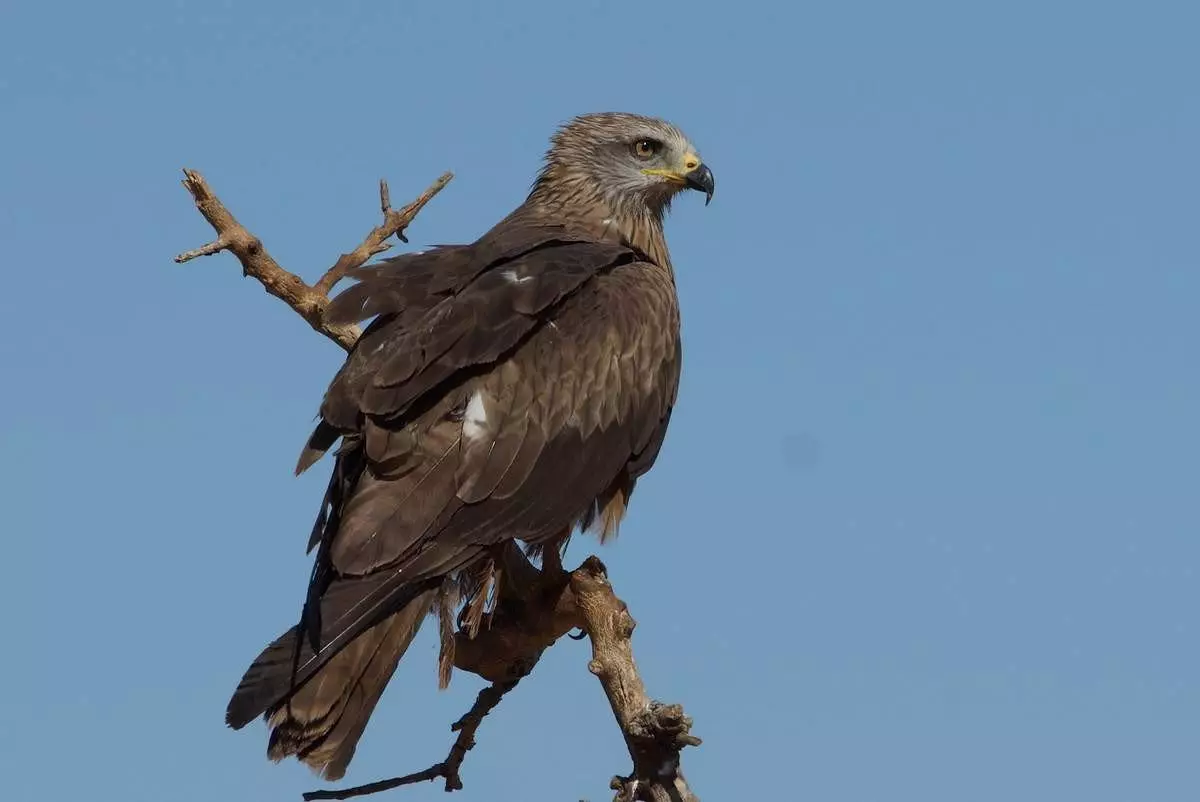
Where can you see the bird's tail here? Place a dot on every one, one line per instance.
(321, 721)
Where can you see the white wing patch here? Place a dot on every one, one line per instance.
(475, 417)
(512, 276)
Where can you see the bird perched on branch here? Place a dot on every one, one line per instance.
(510, 389)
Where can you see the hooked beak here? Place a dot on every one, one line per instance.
(701, 179)
(692, 173)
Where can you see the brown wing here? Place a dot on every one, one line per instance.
(431, 298)
(602, 377)
(499, 404)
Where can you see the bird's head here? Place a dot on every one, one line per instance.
(630, 161)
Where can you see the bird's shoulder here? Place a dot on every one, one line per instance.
(407, 287)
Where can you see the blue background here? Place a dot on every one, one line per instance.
(925, 526)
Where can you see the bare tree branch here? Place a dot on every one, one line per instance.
(550, 604)
(309, 302)
(448, 769)
(654, 733)
(394, 222)
(536, 607)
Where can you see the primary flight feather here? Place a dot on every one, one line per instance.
(510, 389)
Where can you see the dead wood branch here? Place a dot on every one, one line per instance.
(448, 769)
(394, 222)
(536, 607)
(654, 733)
(309, 302)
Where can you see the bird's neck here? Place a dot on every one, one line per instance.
(591, 214)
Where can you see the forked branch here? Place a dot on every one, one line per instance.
(309, 302)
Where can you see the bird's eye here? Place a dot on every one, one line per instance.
(645, 148)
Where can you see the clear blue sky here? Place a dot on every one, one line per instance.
(927, 523)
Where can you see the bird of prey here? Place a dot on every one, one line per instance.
(511, 389)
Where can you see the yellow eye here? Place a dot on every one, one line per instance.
(645, 148)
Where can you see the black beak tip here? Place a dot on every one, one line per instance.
(701, 180)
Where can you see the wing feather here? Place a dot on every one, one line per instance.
(495, 441)
(386, 518)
